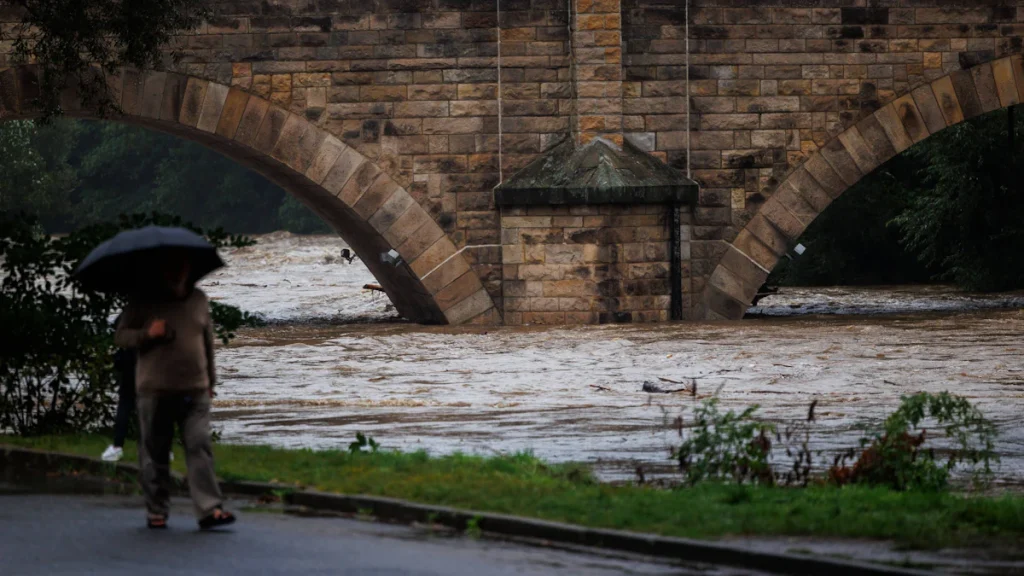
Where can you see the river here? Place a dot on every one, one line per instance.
(334, 360)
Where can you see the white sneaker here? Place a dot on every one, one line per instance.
(112, 454)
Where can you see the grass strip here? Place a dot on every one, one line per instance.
(526, 486)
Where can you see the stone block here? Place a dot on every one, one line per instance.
(929, 108)
(911, 118)
(724, 305)
(376, 195)
(826, 177)
(859, 150)
(424, 237)
(768, 234)
(949, 103)
(1006, 84)
(783, 220)
(468, 309)
(133, 91)
(330, 149)
(431, 257)
(876, 138)
(270, 130)
(755, 249)
(458, 290)
(723, 279)
(966, 93)
(836, 154)
(890, 121)
(407, 223)
(544, 318)
(795, 203)
(152, 94)
(341, 171)
(195, 93)
(808, 188)
(252, 118)
(385, 217)
(213, 107)
(171, 100)
(232, 113)
(298, 144)
(1017, 63)
(985, 84)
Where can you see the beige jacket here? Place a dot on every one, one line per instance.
(182, 360)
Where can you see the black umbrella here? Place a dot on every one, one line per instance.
(131, 258)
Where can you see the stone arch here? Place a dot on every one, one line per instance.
(856, 152)
(374, 214)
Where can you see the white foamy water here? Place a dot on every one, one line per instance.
(298, 278)
(574, 394)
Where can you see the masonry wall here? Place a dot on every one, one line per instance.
(413, 85)
(586, 264)
(775, 81)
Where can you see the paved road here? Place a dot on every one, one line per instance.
(56, 535)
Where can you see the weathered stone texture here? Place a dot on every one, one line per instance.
(816, 93)
(585, 264)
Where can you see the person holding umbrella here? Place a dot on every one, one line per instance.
(167, 323)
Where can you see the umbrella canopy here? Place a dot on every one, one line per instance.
(131, 258)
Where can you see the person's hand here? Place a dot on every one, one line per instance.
(157, 329)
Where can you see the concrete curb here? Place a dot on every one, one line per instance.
(20, 463)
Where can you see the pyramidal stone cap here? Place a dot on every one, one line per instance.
(598, 172)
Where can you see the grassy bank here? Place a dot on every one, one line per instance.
(526, 486)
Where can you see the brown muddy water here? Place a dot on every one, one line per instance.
(319, 373)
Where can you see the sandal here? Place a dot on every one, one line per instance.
(219, 517)
(155, 522)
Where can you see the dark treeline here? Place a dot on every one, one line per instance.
(950, 209)
(75, 173)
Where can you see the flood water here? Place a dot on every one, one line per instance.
(334, 361)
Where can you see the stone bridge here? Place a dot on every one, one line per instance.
(395, 120)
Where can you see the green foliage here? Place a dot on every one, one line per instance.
(898, 458)
(73, 173)
(362, 444)
(949, 209)
(57, 375)
(35, 176)
(967, 216)
(295, 217)
(523, 485)
(473, 528)
(729, 446)
(73, 41)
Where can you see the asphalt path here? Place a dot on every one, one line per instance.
(57, 535)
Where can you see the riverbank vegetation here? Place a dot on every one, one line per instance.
(523, 485)
(56, 372)
(950, 209)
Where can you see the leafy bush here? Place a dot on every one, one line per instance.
(363, 443)
(897, 455)
(739, 448)
(56, 373)
(728, 446)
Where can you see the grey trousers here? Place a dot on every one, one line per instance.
(159, 414)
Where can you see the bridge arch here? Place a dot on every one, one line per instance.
(858, 150)
(435, 283)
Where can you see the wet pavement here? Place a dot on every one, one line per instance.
(57, 535)
(574, 394)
